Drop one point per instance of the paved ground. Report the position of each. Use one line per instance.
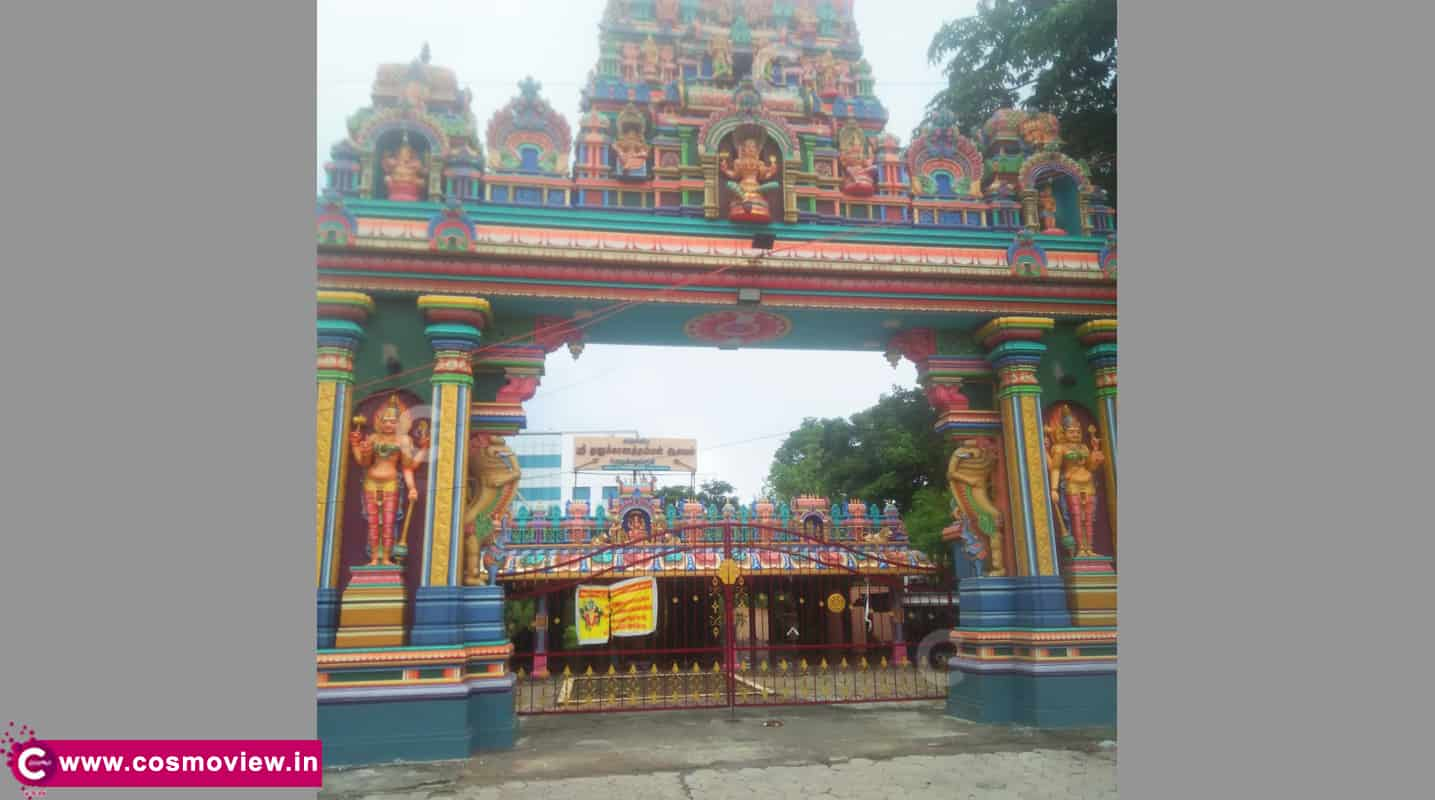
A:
(908, 750)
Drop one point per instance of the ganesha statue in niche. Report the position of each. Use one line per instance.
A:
(749, 179)
(404, 172)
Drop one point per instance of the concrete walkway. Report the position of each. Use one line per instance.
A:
(909, 750)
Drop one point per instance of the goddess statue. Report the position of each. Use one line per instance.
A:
(1073, 485)
(747, 173)
(384, 455)
(404, 173)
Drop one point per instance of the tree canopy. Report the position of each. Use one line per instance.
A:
(886, 452)
(1060, 53)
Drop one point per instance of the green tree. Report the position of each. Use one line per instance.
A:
(1060, 53)
(716, 493)
(886, 452)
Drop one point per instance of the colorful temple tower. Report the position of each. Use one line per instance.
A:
(450, 265)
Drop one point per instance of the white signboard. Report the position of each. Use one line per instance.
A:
(621, 454)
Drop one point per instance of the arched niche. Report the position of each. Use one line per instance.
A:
(1067, 184)
(750, 180)
(389, 147)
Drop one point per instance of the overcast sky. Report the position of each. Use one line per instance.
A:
(717, 397)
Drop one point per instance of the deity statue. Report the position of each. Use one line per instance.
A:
(859, 169)
(829, 76)
(668, 64)
(493, 475)
(635, 529)
(629, 62)
(666, 12)
(747, 173)
(404, 172)
(806, 20)
(632, 152)
(385, 455)
(969, 474)
(1073, 484)
(1048, 211)
(720, 49)
(650, 60)
(632, 146)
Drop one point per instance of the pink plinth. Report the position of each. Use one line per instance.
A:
(1053, 232)
(404, 193)
(1091, 564)
(899, 653)
(540, 665)
(750, 211)
(382, 575)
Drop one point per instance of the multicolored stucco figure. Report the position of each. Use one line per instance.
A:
(495, 473)
(1073, 464)
(969, 476)
(747, 172)
(385, 455)
(404, 173)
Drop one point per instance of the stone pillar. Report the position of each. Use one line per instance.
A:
(1015, 349)
(340, 317)
(455, 325)
(1099, 336)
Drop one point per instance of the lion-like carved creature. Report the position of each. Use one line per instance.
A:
(969, 475)
(493, 478)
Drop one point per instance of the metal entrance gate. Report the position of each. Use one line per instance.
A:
(739, 637)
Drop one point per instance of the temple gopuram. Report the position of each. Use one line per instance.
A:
(730, 184)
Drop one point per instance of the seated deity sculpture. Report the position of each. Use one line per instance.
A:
(749, 178)
(859, 170)
(404, 173)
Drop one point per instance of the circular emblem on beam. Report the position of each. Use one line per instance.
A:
(836, 603)
(737, 328)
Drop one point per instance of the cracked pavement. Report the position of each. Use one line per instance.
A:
(841, 751)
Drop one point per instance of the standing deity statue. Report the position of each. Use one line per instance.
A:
(404, 173)
(629, 62)
(668, 63)
(493, 480)
(969, 475)
(1048, 210)
(747, 173)
(385, 455)
(720, 50)
(829, 76)
(1073, 466)
(651, 57)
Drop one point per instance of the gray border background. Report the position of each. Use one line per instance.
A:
(156, 575)
(1267, 567)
